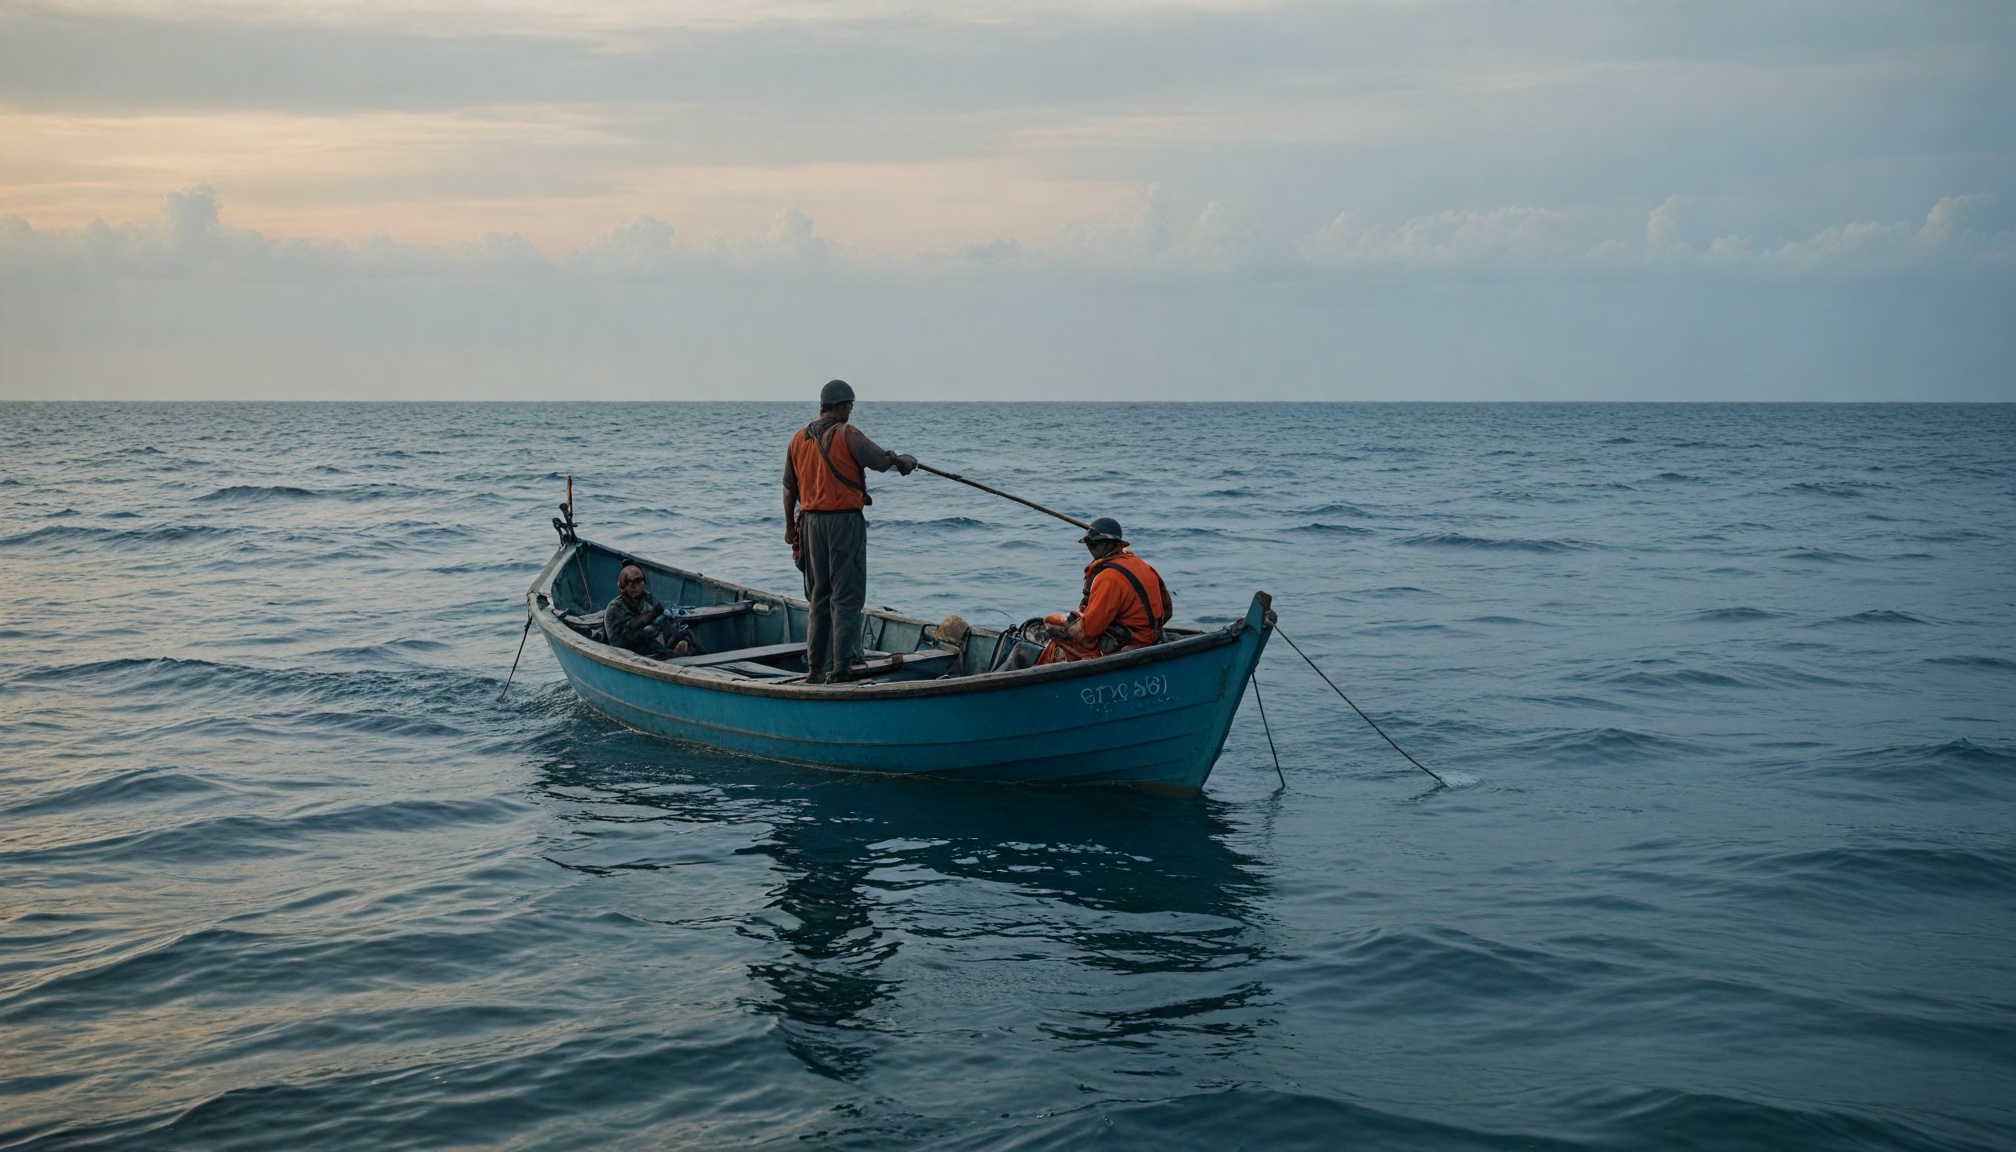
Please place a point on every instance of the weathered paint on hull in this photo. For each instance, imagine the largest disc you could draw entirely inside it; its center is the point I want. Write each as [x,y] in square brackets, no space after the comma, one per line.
[1158,726]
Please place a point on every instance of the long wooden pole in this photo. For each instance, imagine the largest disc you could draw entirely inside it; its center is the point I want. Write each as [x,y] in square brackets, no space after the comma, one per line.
[1005,495]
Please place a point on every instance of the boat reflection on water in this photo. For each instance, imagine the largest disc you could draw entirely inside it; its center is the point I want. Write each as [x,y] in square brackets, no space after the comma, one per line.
[1114,886]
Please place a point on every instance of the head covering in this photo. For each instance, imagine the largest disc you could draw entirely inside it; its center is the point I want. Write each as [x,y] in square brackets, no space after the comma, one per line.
[835,392]
[1104,528]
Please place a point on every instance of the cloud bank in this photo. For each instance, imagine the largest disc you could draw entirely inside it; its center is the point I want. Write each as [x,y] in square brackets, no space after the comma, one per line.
[1450,198]
[1145,304]
[189,237]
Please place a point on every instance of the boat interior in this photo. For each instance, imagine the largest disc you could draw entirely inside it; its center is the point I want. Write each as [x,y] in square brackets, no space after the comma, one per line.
[749,634]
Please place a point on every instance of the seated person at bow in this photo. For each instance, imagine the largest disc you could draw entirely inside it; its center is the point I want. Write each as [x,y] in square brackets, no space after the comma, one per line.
[1124,604]
[636,621]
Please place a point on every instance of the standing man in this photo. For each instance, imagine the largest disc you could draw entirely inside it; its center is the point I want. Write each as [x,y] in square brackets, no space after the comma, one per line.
[824,492]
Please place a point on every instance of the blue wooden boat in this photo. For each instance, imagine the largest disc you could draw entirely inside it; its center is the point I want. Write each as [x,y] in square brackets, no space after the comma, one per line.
[1152,718]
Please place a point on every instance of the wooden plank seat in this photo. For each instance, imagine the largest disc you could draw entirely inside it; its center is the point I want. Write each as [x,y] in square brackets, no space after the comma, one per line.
[766,652]
[753,670]
[933,658]
[714,611]
[929,662]
[750,661]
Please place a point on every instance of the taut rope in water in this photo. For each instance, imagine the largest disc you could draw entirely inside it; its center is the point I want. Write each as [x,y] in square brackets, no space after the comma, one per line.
[521,655]
[1354,707]
[1265,727]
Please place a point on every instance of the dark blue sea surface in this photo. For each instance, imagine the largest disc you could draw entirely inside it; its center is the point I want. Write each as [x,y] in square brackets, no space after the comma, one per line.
[1726,694]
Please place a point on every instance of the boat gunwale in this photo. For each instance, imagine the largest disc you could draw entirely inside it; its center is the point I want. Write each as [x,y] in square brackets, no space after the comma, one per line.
[624,661]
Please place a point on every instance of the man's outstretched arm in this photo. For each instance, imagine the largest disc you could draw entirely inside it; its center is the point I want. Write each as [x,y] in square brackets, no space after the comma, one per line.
[869,454]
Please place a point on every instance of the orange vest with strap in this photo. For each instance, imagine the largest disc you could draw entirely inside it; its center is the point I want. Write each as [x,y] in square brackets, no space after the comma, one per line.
[829,479]
[1140,606]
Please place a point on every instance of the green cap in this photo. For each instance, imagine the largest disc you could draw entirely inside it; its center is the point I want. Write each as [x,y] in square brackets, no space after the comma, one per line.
[835,392]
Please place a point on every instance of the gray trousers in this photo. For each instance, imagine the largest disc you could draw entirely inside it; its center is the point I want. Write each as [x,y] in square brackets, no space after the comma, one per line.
[836,583]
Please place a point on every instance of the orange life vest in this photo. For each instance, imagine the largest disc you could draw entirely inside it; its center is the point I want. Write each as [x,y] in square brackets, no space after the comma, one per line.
[829,479]
[1140,606]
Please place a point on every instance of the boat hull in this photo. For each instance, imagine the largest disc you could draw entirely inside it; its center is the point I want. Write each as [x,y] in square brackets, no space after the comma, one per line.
[1153,719]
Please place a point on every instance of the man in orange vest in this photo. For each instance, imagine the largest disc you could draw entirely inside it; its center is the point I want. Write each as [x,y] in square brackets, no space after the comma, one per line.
[1124,604]
[824,492]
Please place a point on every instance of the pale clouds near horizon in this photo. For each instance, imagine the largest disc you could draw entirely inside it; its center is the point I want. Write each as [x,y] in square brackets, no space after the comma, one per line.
[1123,199]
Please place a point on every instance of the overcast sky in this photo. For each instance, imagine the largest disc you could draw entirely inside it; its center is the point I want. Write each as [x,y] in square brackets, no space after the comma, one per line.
[1127,199]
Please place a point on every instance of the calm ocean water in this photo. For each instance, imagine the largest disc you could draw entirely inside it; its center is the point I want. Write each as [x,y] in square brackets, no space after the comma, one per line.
[1729,694]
